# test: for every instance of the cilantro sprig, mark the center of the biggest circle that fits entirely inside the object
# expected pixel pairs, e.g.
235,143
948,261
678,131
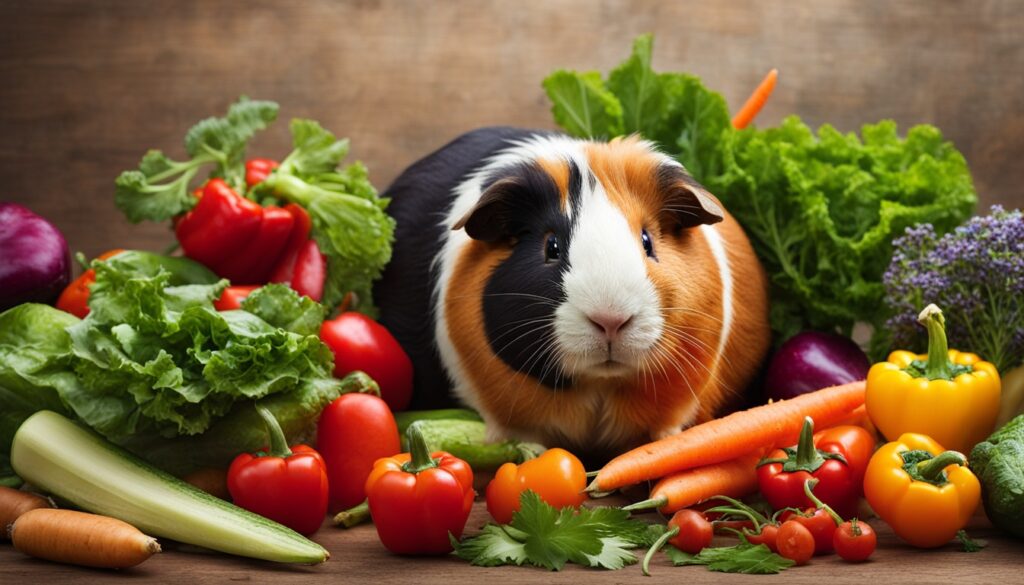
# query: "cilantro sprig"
547,537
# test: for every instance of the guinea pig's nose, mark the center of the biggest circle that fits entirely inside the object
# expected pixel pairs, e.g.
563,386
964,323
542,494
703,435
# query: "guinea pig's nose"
610,324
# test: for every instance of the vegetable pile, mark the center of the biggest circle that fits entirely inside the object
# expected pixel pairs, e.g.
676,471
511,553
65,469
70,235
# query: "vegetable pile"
821,209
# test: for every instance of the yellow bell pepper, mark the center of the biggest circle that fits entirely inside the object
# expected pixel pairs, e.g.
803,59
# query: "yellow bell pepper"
926,494
951,396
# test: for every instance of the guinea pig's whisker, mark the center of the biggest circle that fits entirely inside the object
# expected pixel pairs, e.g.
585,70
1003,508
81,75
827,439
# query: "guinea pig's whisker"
694,311
538,325
682,330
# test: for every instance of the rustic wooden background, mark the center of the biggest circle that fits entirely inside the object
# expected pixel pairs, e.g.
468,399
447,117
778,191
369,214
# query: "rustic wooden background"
87,86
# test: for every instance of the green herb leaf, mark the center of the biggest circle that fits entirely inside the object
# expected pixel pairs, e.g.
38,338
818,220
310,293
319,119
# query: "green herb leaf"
969,544
743,558
543,536
315,150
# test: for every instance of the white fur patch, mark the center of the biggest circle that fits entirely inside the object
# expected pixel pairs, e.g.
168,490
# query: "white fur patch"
717,246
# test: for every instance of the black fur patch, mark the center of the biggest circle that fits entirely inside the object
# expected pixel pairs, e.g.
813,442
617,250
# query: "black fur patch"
523,292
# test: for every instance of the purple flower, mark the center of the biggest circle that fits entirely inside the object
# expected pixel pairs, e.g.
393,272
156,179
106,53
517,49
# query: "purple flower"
975,274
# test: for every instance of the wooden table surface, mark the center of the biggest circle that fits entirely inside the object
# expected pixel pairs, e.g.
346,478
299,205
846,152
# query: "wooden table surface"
358,557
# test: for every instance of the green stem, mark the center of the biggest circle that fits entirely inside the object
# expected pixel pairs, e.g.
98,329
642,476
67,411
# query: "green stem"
931,469
353,516
421,459
359,382
655,548
278,443
807,456
648,504
747,513
938,366
809,490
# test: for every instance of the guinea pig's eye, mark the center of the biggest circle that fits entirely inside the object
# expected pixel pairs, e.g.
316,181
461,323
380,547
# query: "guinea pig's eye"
551,252
645,239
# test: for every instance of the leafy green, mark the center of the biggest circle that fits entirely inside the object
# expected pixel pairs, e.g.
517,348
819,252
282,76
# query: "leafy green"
970,545
544,536
154,365
742,558
999,464
159,189
349,223
821,209
280,306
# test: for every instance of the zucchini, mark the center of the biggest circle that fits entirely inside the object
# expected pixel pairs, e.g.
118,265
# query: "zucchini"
75,464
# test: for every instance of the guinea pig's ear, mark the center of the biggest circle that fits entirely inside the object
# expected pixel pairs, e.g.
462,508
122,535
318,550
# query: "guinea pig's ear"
488,219
686,200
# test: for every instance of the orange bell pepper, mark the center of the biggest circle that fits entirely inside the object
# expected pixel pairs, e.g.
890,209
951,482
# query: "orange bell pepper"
924,492
557,476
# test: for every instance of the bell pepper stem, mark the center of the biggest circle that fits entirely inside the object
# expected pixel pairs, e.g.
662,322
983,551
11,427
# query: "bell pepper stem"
278,442
359,382
648,504
931,469
809,490
669,534
807,456
421,459
938,366
353,516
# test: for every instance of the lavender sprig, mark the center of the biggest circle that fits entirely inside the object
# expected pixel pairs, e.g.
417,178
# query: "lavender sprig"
975,274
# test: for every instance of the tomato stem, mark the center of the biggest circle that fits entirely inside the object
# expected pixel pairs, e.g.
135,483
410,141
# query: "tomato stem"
809,490
669,534
278,442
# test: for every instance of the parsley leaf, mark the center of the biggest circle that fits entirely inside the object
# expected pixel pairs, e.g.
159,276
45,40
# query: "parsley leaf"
547,537
970,544
743,558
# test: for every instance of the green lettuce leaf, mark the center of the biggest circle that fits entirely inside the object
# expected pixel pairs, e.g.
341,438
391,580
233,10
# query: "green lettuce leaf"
583,106
280,306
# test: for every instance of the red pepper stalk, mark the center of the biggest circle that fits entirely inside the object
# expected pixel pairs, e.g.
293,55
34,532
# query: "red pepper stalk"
837,458
417,499
286,485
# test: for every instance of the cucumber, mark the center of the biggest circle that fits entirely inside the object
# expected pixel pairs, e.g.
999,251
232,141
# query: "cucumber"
405,418
466,439
75,464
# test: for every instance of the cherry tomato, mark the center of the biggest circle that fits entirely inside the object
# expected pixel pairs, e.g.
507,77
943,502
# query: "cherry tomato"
768,536
795,542
820,525
354,431
854,540
233,296
695,531
360,343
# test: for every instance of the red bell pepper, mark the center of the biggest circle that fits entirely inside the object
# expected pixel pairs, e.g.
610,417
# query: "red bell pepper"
74,298
837,457
302,265
236,238
417,499
232,297
286,485
258,169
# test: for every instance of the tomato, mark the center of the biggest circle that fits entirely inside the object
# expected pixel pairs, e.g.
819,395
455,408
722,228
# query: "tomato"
360,343
695,531
557,476
854,541
232,297
820,525
74,298
768,536
795,542
354,431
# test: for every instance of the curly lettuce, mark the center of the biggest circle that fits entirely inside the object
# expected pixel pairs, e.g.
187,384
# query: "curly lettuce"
821,208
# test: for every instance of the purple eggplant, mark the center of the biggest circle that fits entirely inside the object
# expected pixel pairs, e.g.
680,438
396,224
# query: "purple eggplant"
35,264
813,360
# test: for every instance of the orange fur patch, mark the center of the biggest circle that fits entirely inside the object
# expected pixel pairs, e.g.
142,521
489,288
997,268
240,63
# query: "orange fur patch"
559,172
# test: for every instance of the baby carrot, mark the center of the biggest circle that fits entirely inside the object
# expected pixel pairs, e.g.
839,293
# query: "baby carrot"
736,478
14,503
723,439
756,101
66,536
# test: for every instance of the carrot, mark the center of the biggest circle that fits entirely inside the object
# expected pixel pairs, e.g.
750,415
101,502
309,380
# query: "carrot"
736,478
756,101
14,503
84,539
723,439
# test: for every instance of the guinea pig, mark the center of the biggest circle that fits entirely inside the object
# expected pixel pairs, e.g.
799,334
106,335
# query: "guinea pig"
580,294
